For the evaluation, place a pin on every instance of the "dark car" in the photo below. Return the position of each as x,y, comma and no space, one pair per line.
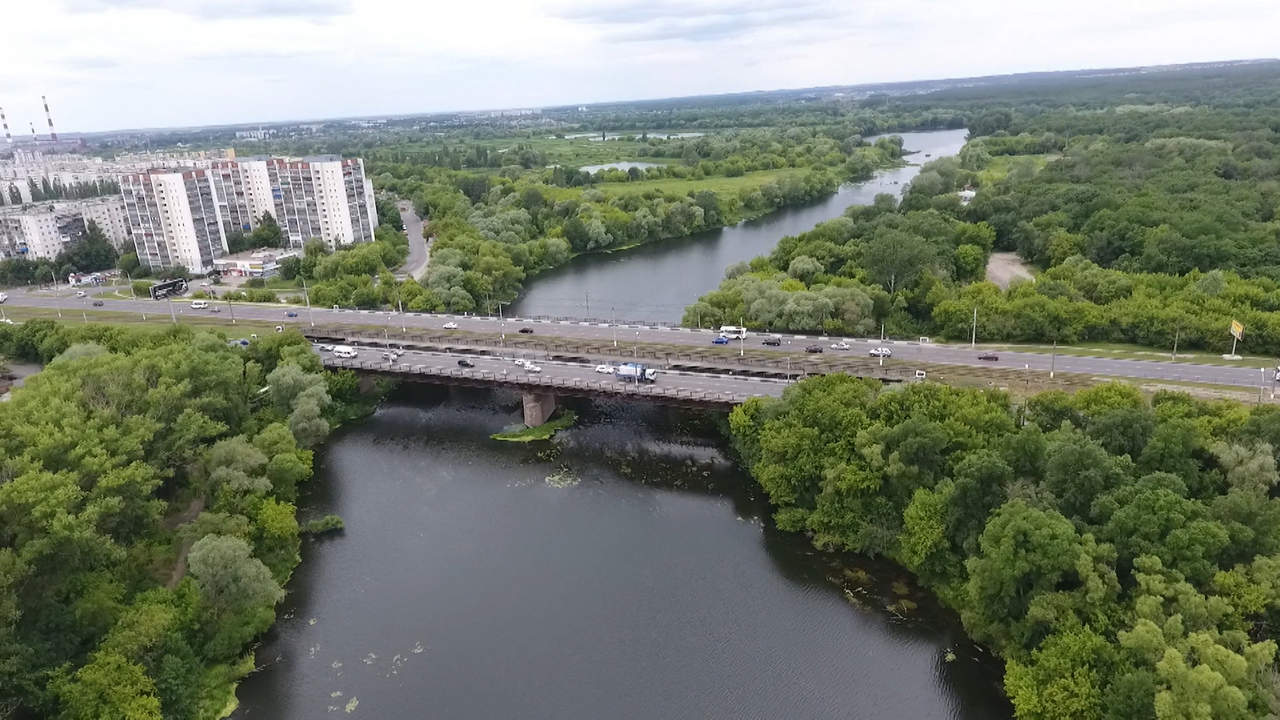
526,331
774,341
291,314
97,303
989,356
813,349
466,363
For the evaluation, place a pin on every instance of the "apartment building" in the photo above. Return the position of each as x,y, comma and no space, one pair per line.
244,192
175,218
325,197
42,230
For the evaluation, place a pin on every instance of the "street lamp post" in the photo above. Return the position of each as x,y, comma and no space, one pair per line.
307,297
613,323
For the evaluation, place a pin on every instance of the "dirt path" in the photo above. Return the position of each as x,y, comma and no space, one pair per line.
186,516
1005,267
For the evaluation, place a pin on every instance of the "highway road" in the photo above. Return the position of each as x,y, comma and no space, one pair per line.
713,387
629,334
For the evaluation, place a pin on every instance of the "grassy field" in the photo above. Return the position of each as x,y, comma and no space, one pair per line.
676,186
1001,165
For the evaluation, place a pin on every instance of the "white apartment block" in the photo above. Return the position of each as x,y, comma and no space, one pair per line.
326,198
42,230
175,218
244,192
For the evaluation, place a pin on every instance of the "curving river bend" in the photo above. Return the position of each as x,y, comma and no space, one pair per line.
630,570
656,282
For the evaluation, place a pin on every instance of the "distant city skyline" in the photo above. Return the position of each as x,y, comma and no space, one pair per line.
119,64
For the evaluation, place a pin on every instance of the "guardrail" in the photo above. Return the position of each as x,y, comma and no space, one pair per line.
573,386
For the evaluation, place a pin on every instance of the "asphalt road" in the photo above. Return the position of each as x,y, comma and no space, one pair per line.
718,387
419,249
1251,377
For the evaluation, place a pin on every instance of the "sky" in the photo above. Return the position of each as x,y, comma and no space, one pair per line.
114,64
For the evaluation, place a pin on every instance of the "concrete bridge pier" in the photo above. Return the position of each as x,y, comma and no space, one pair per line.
538,408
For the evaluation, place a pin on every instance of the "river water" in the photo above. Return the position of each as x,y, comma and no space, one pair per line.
656,282
468,585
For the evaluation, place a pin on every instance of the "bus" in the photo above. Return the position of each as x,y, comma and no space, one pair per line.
168,287
733,331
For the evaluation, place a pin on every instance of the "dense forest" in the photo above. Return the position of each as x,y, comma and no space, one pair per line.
1149,219
147,518
1122,555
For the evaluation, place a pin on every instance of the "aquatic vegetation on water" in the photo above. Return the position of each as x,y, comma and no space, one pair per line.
563,478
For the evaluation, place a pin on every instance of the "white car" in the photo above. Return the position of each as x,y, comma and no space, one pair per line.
521,362
842,345
531,368
3,297
80,293
451,326
325,348
604,369
881,352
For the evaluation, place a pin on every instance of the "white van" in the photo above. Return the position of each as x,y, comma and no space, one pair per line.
344,351
199,304
733,331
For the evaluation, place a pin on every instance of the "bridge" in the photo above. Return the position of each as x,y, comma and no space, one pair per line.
555,378
653,341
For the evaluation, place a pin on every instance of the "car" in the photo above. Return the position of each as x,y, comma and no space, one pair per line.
992,357
772,341
526,331
3,297
215,309
465,363
881,352
842,345
199,304
6,321
521,362
450,325
604,369
291,314
97,303
80,293
388,356
813,349
324,348
531,368
722,340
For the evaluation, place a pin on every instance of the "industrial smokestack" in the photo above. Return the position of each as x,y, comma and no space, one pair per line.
34,139
5,121
53,136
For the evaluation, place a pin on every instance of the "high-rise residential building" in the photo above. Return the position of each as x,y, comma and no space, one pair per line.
175,218
42,230
244,192
327,198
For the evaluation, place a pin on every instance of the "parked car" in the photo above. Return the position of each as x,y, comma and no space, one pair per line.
722,340
465,363
526,331
450,325
842,345
774,341
989,356
291,314
97,303
880,352
604,369
813,349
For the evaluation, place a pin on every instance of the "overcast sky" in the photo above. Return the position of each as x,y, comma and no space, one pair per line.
110,64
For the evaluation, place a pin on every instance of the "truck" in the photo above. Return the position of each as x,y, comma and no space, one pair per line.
635,372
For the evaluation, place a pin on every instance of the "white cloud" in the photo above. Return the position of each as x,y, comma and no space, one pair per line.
137,63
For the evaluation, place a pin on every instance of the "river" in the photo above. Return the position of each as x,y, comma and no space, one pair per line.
468,586
656,282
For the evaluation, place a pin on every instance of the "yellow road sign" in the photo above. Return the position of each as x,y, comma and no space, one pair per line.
1237,330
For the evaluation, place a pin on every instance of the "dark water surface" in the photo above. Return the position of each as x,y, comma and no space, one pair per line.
656,282
467,585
